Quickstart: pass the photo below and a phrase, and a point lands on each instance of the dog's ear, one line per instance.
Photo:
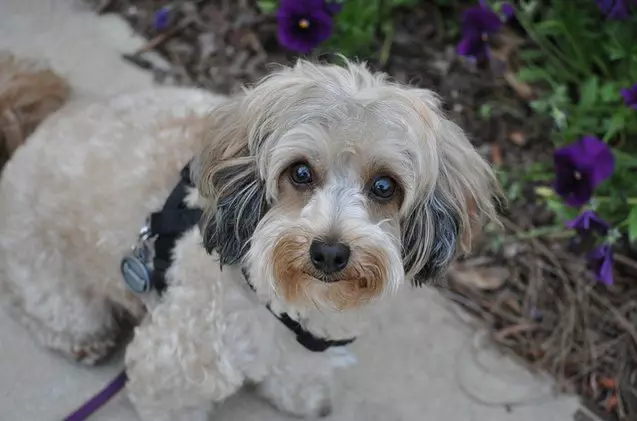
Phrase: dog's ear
(226, 176)
(443, 224)
(430, 238)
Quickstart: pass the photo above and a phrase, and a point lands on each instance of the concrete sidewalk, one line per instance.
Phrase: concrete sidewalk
(419, 363)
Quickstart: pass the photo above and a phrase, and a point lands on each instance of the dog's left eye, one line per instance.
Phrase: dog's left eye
(301, 174)
(383, 187)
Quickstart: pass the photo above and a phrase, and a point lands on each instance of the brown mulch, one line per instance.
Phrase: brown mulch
(550, 311)
(547, 309)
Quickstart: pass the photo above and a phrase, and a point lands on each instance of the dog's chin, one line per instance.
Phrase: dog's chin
(298, 283)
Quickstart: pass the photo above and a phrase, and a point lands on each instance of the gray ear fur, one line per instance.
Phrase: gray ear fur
(239, 208)
(226, 176)
(430, 238)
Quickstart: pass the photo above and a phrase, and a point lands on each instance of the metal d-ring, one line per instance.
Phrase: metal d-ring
(144, 232)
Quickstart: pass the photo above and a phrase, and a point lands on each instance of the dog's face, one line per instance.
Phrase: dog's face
(332, 186)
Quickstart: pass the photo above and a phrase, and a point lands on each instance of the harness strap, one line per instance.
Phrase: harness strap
(168, 224)
(174, 222)
(304, 337)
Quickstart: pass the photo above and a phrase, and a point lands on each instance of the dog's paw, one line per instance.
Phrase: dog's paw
(91, 353)
(311, 399)
(325, 410)
(311, 409)
(304, 409)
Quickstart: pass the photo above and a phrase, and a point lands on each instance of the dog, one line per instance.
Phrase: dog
(29, 92)
(323, 189)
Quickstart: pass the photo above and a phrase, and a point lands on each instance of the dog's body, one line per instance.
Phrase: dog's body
(286, 163)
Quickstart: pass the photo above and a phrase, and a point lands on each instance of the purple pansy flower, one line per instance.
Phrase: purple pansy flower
(630, 96)
(162, 18)
(303, 24)
(508, 10)
(478, 23)
(601, 260)
(589, 222)
(334, 7)
(615, 9)
(580, 168)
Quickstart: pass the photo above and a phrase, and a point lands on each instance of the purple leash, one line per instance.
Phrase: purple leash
(100, 399)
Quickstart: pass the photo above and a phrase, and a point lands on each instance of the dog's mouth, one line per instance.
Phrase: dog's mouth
(335, 278)
(323, 277)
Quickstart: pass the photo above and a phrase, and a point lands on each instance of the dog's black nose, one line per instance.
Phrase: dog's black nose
(329, 257)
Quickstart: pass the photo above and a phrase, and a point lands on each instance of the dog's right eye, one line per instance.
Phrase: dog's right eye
(301, 174)
(383, 188)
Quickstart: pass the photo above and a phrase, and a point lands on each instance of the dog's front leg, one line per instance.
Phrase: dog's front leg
(177, 364)
(300, 383)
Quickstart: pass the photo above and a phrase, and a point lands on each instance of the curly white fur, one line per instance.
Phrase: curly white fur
(74, 197)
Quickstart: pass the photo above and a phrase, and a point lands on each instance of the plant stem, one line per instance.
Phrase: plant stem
(552, 231)
(628, 200)
(554, 54)
(385, 29)
(578, 52)
(554, 57)
(602, 66)
(387, 43)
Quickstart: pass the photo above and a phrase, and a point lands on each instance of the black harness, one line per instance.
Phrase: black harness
(167, 226)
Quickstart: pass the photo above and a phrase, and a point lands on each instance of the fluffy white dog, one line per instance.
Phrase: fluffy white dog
(323, 188)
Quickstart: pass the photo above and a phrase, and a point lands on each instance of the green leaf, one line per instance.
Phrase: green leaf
(624, 159)
(559, 118)
(560, 96)
(589, 92)
(267, 6)
(486, 111)
(586, 123)
(549, 28)
(616, 125)
(533, 74)
(562, 211)
(514, 191)
(615, 52)
(540, 106)
(532, 55)
(609, 92)
(396, 3)
(632, 224)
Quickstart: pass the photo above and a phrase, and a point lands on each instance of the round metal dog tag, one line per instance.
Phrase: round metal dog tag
(136, 274)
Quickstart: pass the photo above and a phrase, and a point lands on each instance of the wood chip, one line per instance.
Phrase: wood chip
(502, 334)
(518, 138)
(522, 89)
(484, 278)
(496, 154)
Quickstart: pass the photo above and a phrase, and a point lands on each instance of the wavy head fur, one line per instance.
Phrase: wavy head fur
(348, 125)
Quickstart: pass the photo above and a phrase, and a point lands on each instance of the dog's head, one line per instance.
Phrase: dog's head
(333, 185)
